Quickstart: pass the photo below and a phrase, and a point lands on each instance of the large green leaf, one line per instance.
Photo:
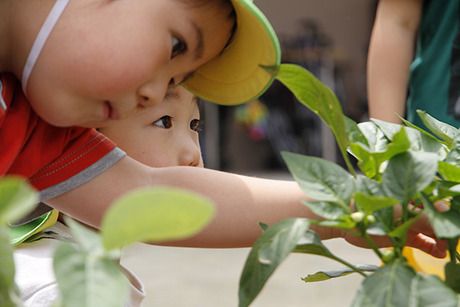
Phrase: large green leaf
(320, 179)
(449, 171)
(445, 224)
(326, 210)
(87, 239)
(442, 130)
(88, 279)
(453, 157)
(355, 135)
(409, 173)
(419, 140)
(380, 150)
(17, 198)
(388, 287)
(368, 186)
(275, 244)
(156, 215)
(452, 273)
(430, 291)
(370, 203)
(318, 98)
(9, 296)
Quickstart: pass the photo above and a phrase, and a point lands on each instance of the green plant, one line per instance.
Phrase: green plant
(401, 167)
(87, 270)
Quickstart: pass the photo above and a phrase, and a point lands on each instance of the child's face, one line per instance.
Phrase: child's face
(107, 59)
(163, 135)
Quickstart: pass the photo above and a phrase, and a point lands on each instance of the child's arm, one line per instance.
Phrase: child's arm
(241, 202)
(391, 51)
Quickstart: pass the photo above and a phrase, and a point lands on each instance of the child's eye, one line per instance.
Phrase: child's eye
(178, 46)
(165, 122)
(195, 125)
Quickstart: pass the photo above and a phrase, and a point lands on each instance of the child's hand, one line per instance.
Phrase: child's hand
(420, 236)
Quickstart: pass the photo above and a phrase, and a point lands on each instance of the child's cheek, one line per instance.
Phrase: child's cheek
(111, 80)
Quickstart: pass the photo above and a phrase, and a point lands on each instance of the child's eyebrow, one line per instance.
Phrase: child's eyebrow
(200, 41)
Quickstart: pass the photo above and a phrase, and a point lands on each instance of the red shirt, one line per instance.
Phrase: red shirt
(54, 159)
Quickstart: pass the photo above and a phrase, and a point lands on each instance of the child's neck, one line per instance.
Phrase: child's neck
(20, 21)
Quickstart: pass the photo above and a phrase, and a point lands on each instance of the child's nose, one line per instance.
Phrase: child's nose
(190, 155)
(152, 93)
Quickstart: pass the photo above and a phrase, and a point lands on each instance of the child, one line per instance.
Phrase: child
(163, 135)
(160, 136)
(105, 60)
(413, 58)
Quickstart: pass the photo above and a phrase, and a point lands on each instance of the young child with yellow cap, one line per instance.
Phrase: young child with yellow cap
(70, 66)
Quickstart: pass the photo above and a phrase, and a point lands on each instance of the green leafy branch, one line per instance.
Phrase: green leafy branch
(404, 171)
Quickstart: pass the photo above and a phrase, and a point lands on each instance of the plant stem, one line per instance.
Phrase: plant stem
(371, 243)
(452, 245)
(351, 266)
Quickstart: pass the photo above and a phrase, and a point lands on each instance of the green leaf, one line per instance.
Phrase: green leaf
(387, 287)
(343, 222)
(86, 279)
(9, 295)
(449, 172)
(409, 173)
(156, 215)
(370, 203)
(368, 186)
(452, 273)
(320, 179)
(17, 199)
(354, 133)
(419, 140)
(371, 158)
(318, 98)
(326, 275)
(275, 244)
(442, 130)
(445, 224)
(376, 139)
(88, 240)
(401, 231)
(326, 209)
(429, 290)
(310, 243)
(453, 157)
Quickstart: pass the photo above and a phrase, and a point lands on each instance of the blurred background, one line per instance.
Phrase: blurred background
(330, 38)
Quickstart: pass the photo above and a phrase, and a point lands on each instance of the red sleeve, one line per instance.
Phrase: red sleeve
(54, 159)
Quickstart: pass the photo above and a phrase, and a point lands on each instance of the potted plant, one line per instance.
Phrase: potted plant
(401, 167)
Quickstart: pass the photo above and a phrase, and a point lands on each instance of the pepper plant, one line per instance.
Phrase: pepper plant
(87, 267)
(401, 167)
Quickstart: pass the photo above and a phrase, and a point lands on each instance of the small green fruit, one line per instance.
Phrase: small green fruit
(357, 216)
(387, 255)
(370, 219)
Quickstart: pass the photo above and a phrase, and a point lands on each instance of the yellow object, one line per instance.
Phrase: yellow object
(20, 234)
(237, 75)
(423, 262)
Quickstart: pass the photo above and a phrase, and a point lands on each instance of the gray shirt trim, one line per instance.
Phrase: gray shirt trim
(2, 101)
(97, 168)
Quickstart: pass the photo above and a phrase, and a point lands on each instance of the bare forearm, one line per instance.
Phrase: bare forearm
(241, 202)
(390, 54)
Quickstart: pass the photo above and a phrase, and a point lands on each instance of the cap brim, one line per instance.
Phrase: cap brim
(237, 75)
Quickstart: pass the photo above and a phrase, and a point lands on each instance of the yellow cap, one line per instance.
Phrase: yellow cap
(237, 75)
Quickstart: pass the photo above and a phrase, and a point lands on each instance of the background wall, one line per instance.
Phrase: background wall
(348, 24)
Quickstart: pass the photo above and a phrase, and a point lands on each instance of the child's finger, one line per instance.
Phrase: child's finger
(436, 248)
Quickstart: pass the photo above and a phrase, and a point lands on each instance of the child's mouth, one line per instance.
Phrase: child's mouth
(110, 112)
